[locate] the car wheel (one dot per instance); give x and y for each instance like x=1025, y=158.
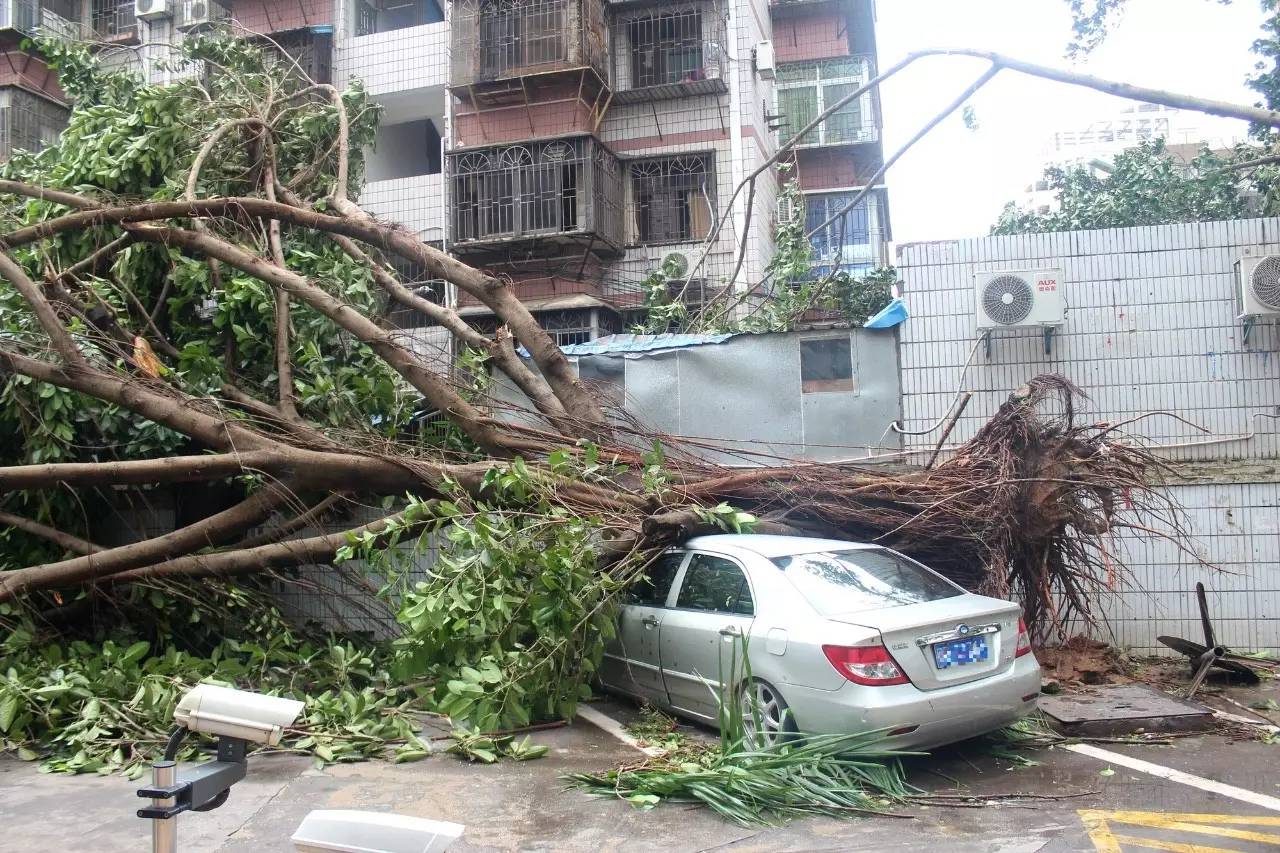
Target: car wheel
x=766, y=717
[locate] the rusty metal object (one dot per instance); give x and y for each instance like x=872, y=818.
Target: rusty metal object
x=1211, y=654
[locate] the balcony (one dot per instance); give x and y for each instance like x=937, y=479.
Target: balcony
x=406, y=60
x=56, y=18
x=566, y=192
x=495, y=40
x=663, y=52
x=416, y=202
x=807, y=89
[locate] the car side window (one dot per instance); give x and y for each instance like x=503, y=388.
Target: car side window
x=716, y=584
x=652, y=589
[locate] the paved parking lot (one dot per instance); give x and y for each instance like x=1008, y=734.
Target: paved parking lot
x=525, y=806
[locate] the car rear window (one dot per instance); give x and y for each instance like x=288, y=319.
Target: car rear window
x=835, y=582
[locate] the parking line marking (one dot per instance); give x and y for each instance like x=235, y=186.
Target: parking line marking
x=611, y=726
x=1103, y=828
x=1160, y=771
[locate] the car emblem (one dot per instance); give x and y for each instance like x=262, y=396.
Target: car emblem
x=962, y=630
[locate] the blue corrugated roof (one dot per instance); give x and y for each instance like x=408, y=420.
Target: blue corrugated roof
x=623, y=344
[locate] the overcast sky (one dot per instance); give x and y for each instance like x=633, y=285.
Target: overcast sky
x=954, y=183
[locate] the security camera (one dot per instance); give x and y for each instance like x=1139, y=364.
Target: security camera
x=236, y=713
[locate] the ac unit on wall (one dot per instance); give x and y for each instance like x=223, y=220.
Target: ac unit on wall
x=150, y=10
x=1259, y=285
x=1010, y=299
x=200, y=13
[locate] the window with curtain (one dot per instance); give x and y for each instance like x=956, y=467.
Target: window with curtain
x=851, y=241
x=806, y=89
x=672, y=199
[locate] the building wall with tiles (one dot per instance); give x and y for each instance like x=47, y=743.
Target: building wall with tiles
x=1152, y=325
x=395, y=61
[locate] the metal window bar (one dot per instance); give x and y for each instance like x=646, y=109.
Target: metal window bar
x=806, y=88
x=852, y=243
x=518, y=34
x=665, y=48
x=415, y=277
x=57, y=18
x=568, y=327
x=29, y=123
x=562, y=186
x=113, y=19
x=366, y=18
x=672, y=199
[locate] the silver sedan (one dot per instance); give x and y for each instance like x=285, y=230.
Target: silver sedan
x=841, y=637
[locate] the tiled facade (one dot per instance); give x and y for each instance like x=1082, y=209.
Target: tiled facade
x=574, y=144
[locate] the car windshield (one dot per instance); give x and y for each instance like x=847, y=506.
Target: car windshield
x=835, y=582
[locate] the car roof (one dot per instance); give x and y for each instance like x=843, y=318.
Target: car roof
x=770, y=546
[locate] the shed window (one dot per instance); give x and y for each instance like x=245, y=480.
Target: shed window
x=826, y=365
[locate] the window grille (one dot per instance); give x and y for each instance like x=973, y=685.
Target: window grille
x=29, y=123
x=557, y=187
x=853, y=243
x=806, y=89
x=567, y=328
x=113, y=19
x=665, y=48
x=415, y=277
x=672, y=199
x=521, y=33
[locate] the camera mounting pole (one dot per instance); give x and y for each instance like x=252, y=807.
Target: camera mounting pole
x=201, y=788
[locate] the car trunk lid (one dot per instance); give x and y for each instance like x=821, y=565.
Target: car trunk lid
x=911, y=633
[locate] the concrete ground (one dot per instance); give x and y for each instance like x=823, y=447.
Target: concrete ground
x=1089, y=803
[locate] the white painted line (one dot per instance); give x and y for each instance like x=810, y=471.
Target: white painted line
x=1162, y=772
x=611, y=726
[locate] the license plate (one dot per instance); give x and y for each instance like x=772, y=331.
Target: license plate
x=960, y=652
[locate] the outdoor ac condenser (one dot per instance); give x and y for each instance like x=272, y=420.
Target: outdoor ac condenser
x=150, y=10
x=1010, y=299
x=1259, y=285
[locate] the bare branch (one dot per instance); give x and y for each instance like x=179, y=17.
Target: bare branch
x=66, y=541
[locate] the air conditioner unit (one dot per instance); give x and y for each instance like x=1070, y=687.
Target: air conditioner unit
x=200, y=13
x=766, y=65
x=1019, y=298
x=150, y=10
x=675, y=265
x=1259, y=285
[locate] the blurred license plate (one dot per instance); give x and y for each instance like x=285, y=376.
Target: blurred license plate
x=960, y=652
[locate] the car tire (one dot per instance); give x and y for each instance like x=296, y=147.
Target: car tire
x=761, y=700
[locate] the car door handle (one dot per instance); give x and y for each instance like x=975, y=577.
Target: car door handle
x=649, y=622
x=730, y=631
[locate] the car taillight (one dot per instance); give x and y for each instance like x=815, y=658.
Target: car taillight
x=870, y=665
x=1024, y=640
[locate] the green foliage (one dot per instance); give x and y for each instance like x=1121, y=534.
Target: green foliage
x=794, y=288
x=512, y=621
x=752, y=783
x=1146, y=186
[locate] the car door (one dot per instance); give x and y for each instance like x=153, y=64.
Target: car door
x=701, y=635
x=631, y=658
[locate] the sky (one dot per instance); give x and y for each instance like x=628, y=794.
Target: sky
x=955, y=182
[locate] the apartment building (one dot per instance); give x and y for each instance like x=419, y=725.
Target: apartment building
x=574, y=145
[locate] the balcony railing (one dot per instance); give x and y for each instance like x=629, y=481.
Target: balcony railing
x=667, y=52
x=57, y=18
x=500, y=39
x=806, y=89
x=566, y=188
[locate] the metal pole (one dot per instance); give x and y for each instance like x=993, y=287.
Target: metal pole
x=164, y=831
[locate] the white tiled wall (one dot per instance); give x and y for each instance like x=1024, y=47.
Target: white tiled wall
x=395, y=61
x=417, y=203
x=1151, y=326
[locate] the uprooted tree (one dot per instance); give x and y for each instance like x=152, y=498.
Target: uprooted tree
x=192, y=298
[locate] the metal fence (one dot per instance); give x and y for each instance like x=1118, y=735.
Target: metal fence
x=666, y=46
x=672, y=199
x=28, y=123
x=496, y=39
x=566, y=186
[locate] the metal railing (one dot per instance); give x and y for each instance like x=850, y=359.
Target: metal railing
x=57, y=18
x=566, y=186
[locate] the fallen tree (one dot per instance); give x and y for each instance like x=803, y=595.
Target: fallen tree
x=193, y=299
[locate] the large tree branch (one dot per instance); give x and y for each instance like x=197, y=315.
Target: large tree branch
x=47, y=317
x=492, y=292
x=63, y=540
